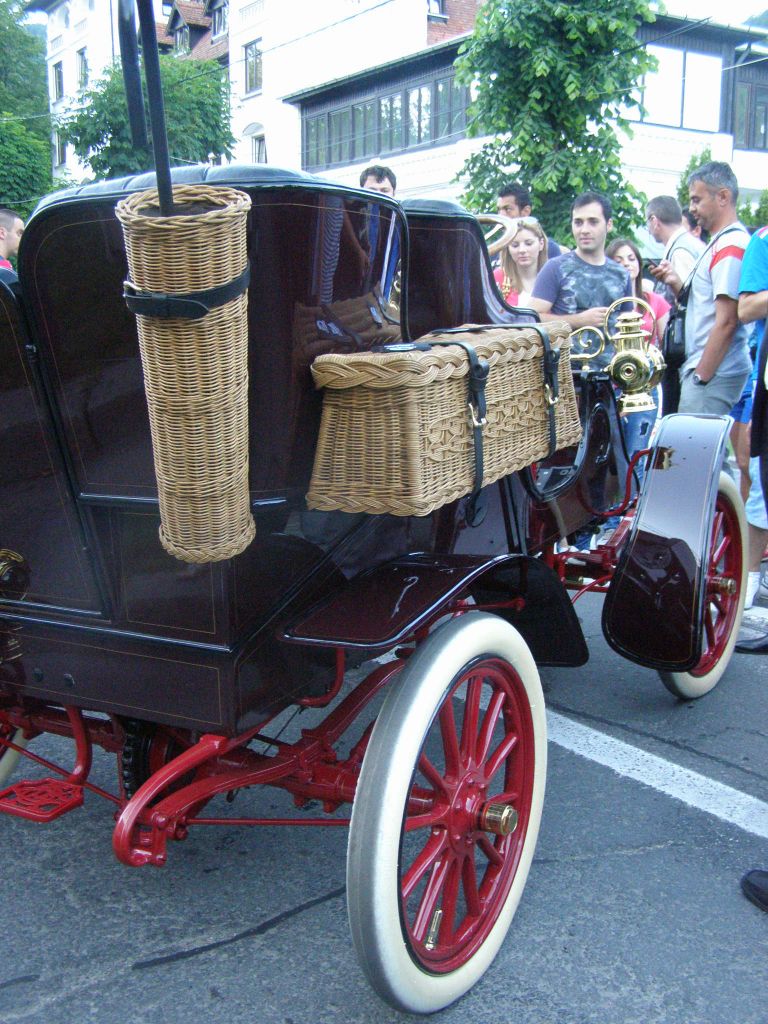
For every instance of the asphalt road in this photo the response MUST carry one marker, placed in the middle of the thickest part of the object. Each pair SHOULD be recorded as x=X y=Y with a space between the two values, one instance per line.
x=632 y=913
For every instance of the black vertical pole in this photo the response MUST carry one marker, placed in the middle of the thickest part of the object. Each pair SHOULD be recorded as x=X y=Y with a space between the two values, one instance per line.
x=156 y=106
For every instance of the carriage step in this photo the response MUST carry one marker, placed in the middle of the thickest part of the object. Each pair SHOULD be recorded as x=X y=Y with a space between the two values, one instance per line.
x=41 y=800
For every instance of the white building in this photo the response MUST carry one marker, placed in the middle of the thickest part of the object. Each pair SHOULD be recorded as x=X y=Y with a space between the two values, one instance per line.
x=334 y=86
x=82 y=41
x=279 y=47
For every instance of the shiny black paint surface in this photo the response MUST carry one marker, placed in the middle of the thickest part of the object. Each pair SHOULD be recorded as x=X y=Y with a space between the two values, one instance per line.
x=653 y=610
x=114 y=623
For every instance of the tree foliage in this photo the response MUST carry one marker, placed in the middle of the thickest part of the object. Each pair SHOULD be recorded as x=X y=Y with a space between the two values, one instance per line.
x=23 y=74
x=196 y=95
x=25 y=168
x=696 y=161
x=552 y=81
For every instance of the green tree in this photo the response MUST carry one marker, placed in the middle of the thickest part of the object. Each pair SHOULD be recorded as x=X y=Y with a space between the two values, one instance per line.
x=552 y=81
x=696 y=161
x=25 y=168
x=196 y=97
x=23 y=75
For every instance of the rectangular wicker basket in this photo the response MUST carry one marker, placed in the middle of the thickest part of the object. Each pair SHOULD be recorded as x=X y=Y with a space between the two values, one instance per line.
x=396 y=435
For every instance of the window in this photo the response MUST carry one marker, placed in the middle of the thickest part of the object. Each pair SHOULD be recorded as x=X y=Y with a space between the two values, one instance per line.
x=750 y=128
x=436 y=8
x=258 y=149
x=220 y=20
x=684 y=91
x=253 y=66
x=419 y=114
x=363 y=129
x=59 y=150
x=391 y=122
x=316 y=141
x=450 y=108
x=82 y=68
x=58 y=81
x=339 y=135
x=181 y=39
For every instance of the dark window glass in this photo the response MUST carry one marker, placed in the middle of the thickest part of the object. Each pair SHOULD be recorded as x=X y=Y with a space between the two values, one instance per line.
x=364 y=128
x=339 y=135
x=317 y=155
x=259 y=149
x=253 y=66
x=391 y=121
x=58 y=81
x=741 y=117
x=419 y=115
x=760 y=138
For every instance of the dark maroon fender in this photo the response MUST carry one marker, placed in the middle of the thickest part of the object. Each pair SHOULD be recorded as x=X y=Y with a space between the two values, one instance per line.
x=653 y=612
x=385 y=605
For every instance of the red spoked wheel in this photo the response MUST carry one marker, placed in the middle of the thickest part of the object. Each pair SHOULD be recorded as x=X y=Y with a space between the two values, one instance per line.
x=447 y=813
x=726 y=586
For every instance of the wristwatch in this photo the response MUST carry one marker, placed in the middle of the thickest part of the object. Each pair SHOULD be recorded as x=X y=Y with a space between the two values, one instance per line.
x=697 y=380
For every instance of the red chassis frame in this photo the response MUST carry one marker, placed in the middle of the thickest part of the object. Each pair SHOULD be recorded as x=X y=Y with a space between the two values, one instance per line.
x=174 y=793
x=168 y=802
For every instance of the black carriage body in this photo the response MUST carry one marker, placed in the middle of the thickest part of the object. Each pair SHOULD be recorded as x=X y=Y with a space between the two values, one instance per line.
x=109 y=621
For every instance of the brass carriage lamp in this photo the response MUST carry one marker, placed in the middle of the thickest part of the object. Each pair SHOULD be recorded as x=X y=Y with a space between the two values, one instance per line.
x=637 y=365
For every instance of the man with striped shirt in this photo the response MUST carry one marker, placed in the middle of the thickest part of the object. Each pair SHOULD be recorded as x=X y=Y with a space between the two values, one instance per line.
x=717 y=363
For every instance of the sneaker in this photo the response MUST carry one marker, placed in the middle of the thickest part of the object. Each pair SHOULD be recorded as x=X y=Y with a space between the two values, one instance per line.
x=757 y=589
x=754 y=885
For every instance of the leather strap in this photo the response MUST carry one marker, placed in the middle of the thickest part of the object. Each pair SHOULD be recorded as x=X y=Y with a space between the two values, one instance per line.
x=476 y=402
x=550 y=366
x=190 y=306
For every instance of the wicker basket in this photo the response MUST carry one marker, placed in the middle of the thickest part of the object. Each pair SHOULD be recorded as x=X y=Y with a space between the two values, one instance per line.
x=195 y=370
x=395 y=434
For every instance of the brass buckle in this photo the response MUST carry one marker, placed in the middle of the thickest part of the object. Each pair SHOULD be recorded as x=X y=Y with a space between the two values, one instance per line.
x=473 y=419
x=551 y=400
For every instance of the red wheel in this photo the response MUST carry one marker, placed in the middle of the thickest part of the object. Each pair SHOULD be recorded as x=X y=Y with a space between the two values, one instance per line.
x=447 y=813
x=726 y=583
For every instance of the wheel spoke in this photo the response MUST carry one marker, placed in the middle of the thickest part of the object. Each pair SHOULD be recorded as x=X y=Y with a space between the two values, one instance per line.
x=709 y=627
x=450 y=738
x=469 y=883
x=489 y=724
x=720 y=541
x=471 y=719
x=501 y=752
x=450 y=899
x=431 y=774
x=430 y=898
x=423 y=862
x=490 y=851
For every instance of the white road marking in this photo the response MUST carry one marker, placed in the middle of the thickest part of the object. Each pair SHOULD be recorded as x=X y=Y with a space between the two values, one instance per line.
x=724 y=802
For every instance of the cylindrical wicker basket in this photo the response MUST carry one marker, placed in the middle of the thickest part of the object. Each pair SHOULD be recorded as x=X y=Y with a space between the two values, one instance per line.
x=195 y=371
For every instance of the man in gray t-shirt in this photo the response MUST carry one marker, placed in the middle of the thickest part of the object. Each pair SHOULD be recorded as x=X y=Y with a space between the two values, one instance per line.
x=717 y=363
x=578 y=287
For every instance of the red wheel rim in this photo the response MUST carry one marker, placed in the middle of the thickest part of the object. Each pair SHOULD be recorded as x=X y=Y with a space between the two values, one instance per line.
x=454 y=875
x=726 y=561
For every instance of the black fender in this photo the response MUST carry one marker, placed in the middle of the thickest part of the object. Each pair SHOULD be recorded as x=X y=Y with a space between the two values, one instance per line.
x=654 y=609
x=384 y=606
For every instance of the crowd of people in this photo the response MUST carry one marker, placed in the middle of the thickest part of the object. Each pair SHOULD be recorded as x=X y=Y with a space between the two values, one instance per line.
x=714 y=274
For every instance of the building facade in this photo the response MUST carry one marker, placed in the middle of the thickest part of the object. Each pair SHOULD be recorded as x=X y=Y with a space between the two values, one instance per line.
x=333 y=87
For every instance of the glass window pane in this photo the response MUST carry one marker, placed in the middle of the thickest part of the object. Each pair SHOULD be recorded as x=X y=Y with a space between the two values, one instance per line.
x=459 y=104
x=703 y=77
x=663 y=92
x=760 y=136
x=443 y=93
x=740 y=127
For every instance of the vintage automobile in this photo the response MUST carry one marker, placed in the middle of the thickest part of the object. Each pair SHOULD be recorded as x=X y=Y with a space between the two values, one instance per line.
x=178 y=668
x=421 y=633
